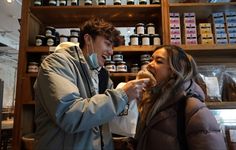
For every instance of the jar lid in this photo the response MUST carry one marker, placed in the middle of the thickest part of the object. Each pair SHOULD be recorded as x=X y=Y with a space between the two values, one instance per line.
x=134 y=65
x=140 y=24
x=73 y=30
x=110 y=62
x=150 y=24
x=144 y=35
x=63 y=36
x=50 y=27
x=134 y=35
x=40 y=36
x=155 y=35
x=33 y=63
x=74 y=36
x=50 y=36
x=121 y=62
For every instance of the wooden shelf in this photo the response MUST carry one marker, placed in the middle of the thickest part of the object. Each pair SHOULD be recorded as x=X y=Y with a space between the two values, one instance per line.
x=203 y=9
x=139 y=48
x=221 y=105
x=29 y=103
x=123 y=74
x=73 y=16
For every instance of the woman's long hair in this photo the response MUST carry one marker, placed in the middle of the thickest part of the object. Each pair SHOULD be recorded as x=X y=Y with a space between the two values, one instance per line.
x=184 y=69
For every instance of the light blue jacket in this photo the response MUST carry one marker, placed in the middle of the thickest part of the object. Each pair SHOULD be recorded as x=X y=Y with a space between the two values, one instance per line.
x=67 y=111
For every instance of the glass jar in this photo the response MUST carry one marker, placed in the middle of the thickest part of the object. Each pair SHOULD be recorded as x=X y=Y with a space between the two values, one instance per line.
x=139 y=28
x=74 y=2
x=145 y=57
x=40 y=40
x=74 y=32
x=110 y=66
x=33 y=67
x=134 y=39
x=63 y=38
x=74 y=39
x=52 y=3
x=37 y=2
x=156 y=39
x=117 y=57
x=51 y=40
x=134 y=68
x=50 y=30
x=63 y=2
x=145 y=39
x=121 y=66
x=150 y=28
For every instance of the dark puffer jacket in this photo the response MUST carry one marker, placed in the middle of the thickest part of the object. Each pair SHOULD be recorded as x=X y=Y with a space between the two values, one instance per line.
x=202 y=130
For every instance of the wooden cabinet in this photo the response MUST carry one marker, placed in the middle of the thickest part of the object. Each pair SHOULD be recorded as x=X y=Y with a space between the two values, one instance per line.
x=36 y=18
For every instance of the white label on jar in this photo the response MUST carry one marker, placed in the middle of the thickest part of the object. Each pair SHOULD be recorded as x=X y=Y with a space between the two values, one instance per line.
x=151 y=30
x=156 y=41
x=62 y=2
x=134 y=41
x=37 y=3
x=121 y=68
x=102 y=1
x=117 y=57
x=48 y=32
x=130 y=1
x=140 y=30
x=74 y=39
x=213 y=89
x=39 y=42
x=145 y=41
x=111 y=68
x=52 y=2
x=74 y=1
x=50 y=42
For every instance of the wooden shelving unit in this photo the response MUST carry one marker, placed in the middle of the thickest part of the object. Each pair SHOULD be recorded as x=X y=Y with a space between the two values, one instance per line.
x=35 y=19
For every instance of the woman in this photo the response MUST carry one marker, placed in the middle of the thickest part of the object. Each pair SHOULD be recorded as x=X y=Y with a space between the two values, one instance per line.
x=173 y=91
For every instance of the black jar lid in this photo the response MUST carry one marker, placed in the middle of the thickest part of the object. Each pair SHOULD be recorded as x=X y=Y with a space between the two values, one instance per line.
x=144 y=35
x=134 y=35
x=120 y=62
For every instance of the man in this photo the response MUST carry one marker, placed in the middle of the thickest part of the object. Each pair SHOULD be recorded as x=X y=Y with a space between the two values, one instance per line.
x=70 y=113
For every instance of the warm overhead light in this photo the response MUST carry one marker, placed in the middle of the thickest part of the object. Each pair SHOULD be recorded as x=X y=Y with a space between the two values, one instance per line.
x=10 y=1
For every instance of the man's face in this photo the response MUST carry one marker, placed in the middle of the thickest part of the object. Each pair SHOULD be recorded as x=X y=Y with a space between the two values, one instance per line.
x=103 y=48
x=159 y=66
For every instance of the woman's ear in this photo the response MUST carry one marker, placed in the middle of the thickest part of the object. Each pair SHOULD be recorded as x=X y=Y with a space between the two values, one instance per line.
x=87 y=38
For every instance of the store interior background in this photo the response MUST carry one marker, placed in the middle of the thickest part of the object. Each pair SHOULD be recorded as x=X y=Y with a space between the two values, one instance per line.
x=10 y=12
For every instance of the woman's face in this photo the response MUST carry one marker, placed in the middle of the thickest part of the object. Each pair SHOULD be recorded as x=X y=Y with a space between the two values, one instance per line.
x=159 y=66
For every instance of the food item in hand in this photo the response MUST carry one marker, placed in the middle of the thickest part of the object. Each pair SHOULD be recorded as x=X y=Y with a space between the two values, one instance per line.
x=146 y=74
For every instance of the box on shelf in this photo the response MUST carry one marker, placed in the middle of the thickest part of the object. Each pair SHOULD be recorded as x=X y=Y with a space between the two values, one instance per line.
x=206 y=38
x=204 y=28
